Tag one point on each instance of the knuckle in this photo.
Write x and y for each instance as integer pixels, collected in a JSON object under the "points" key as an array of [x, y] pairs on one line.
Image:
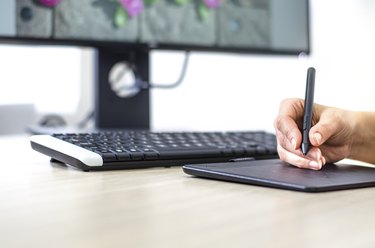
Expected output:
{"points": [[278, 122]]}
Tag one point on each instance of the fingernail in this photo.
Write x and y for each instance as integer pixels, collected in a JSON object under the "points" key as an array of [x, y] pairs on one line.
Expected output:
{"points": [[294, 143], [318, 137], [314, 165]]}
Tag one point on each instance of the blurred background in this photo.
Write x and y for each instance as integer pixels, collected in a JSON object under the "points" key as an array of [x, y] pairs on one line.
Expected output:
{"points": [[221, 91]]}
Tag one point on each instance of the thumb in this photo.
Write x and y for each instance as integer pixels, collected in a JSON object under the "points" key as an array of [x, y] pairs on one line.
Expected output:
{"points": [[322, 131]]}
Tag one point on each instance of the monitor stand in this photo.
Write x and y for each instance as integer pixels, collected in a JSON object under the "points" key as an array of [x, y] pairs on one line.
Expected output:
{"points": [[112, 111]]}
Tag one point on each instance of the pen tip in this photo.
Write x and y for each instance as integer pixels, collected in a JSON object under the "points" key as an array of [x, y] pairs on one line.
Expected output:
{"points": [[304, 148]]}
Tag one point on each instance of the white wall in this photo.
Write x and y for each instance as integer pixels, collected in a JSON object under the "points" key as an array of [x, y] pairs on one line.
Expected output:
{"points": [[239, 92], [41, 80]]}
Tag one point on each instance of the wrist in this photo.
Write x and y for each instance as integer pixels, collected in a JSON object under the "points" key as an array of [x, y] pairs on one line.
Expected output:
{"points": [[362, 144]]}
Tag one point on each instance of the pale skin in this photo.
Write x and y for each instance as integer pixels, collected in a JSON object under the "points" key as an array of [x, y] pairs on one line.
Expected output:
{"points": [[336, 134]]}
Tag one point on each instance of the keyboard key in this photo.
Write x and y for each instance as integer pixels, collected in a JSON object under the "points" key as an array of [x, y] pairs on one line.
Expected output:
{"points": [[108, 157], [123, 156], [188, 153], [150, 154]]}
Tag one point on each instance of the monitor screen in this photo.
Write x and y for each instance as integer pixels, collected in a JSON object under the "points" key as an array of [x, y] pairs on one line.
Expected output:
{"points": [[263, 26]]}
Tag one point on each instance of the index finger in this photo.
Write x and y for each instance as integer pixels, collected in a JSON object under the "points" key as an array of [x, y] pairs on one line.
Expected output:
{"points": [[290, 115]]}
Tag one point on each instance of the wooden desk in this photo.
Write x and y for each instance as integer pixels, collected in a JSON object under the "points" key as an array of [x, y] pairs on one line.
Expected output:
{"points": [[48, 205]]}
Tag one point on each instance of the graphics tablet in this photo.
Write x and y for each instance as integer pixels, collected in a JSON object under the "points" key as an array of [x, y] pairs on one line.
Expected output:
{"points": [[275, 173]]}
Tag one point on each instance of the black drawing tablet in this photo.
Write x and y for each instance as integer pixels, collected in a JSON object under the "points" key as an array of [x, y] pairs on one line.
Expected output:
{"points": [[275, 173]]}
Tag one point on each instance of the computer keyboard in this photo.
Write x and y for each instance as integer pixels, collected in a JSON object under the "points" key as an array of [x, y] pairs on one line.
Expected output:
{"points": [[140, 149]]}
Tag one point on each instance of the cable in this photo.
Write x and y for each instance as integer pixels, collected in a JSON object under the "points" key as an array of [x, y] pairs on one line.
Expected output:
{"points": [[146, 85], [134, 83], [180, 78]]}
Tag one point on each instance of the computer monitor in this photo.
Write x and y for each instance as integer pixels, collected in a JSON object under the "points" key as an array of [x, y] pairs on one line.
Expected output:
{"points": [[127, 30]]}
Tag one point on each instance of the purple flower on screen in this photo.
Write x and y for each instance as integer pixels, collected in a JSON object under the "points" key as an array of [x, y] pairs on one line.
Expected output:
{"points": [[49, 3], [212, 3], [133, 7]]}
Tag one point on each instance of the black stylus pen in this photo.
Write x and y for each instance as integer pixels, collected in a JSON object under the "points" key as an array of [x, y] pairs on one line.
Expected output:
{"points": [[308, 110]]}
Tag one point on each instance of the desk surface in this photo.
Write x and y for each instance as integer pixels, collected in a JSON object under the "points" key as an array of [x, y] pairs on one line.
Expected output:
{"points": [[46, 204]]}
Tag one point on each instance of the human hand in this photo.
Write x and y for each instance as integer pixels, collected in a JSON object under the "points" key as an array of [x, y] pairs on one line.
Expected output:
{"points": [[331, 134]]}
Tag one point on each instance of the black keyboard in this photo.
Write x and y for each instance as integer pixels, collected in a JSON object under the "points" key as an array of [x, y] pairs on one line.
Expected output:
{"points": [[139, 149]]}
